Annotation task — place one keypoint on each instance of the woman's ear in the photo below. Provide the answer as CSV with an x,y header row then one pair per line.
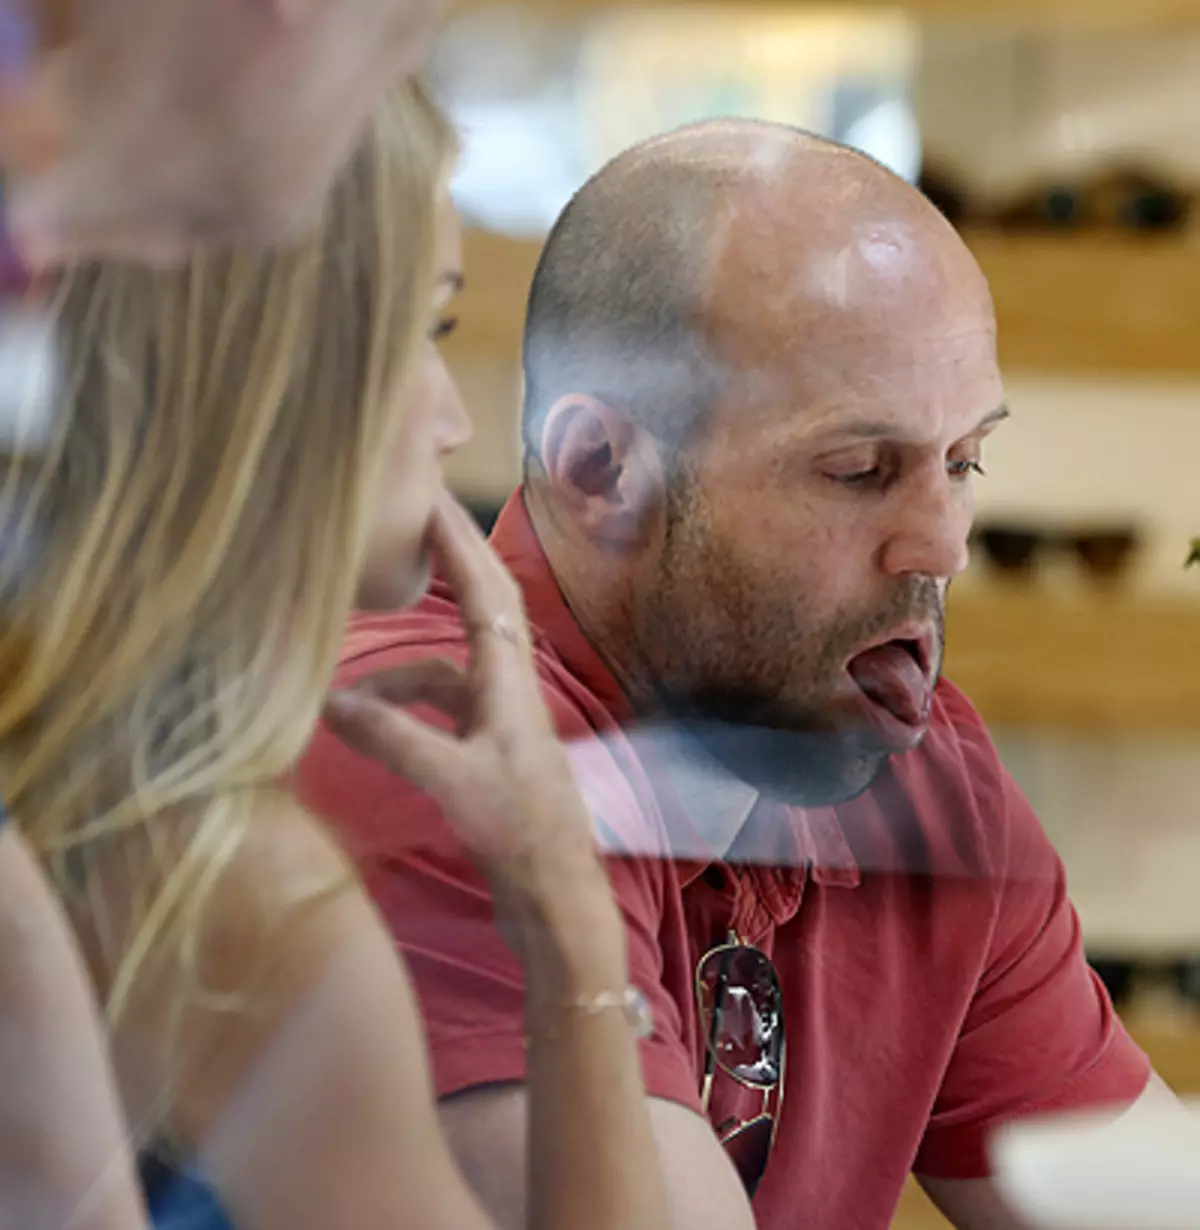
x,y
603,467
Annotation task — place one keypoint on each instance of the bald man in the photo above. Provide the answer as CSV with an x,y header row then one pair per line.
x,y
760,376
153,128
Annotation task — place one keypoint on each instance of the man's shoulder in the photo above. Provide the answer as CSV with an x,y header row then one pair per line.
x,y
958,741
946,802
391,638
434,627
356,793
957,723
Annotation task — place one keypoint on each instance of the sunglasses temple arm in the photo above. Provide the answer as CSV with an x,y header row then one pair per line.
x,y
707,1088
777,1089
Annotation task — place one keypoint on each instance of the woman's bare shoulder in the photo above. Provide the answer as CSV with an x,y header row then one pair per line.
x,y
268,915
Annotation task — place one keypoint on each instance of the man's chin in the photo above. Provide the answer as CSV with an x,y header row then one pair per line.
x,y
798,768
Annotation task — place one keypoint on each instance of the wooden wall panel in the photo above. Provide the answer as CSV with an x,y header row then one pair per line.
x,y
1091,664
1078,306
1010,12
1085,306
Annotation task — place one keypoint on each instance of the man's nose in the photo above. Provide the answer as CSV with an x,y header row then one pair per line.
x,y
929,535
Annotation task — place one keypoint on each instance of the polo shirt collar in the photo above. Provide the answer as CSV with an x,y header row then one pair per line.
x,y
815,838
516,542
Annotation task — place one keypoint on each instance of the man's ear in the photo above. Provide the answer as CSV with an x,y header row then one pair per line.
x,y
603,468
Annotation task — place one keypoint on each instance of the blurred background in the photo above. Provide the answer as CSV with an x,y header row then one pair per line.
x,y
1063,138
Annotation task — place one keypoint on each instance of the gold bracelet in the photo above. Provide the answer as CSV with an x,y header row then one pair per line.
x,y
630,1002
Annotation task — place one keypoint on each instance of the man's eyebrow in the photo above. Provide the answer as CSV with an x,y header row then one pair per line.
x,y
880,430
453,279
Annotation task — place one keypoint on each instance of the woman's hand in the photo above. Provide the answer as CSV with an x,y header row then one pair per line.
x,y
502,779
149,129
504,783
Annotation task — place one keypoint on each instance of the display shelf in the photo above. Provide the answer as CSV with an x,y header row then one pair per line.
x,y
1119,13
1087,662
491,307
1083,305
1075,306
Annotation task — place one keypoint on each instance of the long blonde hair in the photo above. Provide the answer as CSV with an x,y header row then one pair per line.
x,y
181,553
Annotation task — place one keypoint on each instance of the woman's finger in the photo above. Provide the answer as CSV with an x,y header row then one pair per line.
x,y
395,739
488,598
436,682
437,764
481,584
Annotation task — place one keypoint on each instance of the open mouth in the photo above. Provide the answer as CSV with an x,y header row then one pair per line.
x,y
917,650
895,678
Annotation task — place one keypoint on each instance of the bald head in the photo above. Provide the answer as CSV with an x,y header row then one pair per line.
x,y
761,373
671,272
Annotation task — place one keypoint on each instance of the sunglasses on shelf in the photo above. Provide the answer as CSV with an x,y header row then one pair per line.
x,y
1117,201
740,1003
1120,199
1103,554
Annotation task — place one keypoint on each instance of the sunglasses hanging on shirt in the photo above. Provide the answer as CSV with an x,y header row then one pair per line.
x,y
740,1003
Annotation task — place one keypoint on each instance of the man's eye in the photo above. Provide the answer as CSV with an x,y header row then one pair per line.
x,y
444,328
964,469
857,478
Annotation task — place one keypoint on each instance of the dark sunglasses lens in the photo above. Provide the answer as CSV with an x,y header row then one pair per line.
x,y
741,1010
749,1147
1009,550
1106,555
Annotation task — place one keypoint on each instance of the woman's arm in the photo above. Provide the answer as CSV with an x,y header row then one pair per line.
x,y
592,1158
64,1159
506,785
303,1100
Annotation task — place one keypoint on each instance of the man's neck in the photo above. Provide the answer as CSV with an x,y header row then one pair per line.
x,y
580,574
716,803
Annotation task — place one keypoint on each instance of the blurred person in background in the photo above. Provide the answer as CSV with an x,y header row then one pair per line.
x,y
760,374
230,442
152,128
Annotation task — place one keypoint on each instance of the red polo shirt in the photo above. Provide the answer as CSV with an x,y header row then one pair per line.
x,y
933,975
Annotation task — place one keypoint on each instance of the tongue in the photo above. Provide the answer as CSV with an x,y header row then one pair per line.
x,y
890,676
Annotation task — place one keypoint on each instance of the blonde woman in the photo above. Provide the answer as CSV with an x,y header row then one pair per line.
x,y
231,438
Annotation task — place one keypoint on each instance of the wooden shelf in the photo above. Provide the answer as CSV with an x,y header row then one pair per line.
x,y
491,309
1089,664
1084,305
1069,306
1118,13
